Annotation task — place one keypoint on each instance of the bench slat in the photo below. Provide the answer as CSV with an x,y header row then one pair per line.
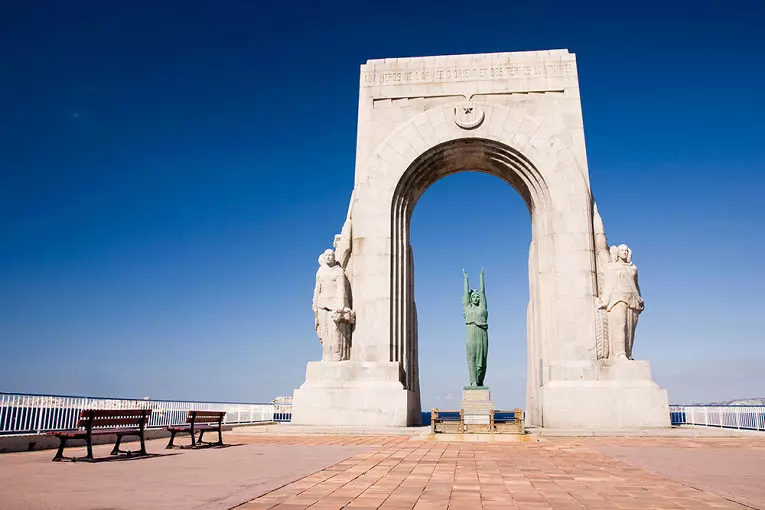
x,y
110,417
121,430
208,414
94,432
113,413
117,422
205,416
187,428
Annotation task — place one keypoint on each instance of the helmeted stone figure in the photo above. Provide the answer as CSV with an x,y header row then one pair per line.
x,y
477,338
333,315
621,299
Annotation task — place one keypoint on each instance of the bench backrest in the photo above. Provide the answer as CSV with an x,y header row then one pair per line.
x,y
514,415
446,415
97,418
205,416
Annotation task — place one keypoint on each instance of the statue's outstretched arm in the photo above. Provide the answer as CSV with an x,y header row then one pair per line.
x,y
466,293
482,290
343,244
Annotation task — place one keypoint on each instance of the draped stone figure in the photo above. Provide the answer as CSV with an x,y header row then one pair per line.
x,y
333,315
621,300
477,338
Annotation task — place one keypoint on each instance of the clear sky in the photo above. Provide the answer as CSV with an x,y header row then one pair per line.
x,y
170,171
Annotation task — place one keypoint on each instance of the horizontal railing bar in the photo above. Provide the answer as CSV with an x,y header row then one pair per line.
x,y
132,398
35,413
722,406
739,417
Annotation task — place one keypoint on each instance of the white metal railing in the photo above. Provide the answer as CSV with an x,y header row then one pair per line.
x,y
22,413
729,417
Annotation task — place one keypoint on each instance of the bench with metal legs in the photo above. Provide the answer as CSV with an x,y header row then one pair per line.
x,y
101,422
198,421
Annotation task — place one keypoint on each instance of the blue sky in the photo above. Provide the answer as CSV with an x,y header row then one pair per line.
x,y
168,176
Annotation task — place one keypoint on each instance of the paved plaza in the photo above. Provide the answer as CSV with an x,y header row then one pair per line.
x,y
366,472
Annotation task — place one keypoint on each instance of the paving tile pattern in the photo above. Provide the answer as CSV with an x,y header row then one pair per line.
x,y
204,479
556,473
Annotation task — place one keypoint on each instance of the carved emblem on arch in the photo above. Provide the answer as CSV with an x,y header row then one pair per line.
x,y
469,115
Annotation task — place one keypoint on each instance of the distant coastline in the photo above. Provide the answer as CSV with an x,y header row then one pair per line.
x,y
737,402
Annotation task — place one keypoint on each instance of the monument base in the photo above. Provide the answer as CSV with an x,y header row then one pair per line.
x,y
354,393
624,397
476,406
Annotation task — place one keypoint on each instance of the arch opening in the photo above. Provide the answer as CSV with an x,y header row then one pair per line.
x,y
470,220
466,154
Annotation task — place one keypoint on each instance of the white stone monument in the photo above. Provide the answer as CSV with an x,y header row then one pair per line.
x,y
516,116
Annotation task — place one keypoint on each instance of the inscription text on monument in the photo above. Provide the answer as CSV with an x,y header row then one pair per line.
x,y
459,73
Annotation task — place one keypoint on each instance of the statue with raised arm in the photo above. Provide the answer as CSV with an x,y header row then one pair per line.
x,y
621,300
477,338
332,311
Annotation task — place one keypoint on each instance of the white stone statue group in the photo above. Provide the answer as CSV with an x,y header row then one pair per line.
x,y
333,316
621,300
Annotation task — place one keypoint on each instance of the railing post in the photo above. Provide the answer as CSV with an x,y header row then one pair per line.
x,y
13,415
38,422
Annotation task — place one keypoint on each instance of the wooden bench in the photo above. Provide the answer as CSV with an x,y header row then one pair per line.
x,y
101,422
508,421
451,422
198,421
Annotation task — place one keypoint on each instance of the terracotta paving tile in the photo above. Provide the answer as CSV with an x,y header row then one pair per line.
x,y
423,505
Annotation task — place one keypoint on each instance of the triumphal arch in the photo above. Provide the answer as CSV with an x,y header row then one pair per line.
x,y
517,116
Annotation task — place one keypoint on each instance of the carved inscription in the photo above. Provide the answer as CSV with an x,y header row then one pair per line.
x,y
460,73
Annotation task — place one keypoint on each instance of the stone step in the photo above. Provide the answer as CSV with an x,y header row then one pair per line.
x,y
682,431
288,429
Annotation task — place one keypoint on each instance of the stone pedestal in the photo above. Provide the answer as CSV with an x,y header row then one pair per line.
x,y
624,397
353,393
476,408
626,371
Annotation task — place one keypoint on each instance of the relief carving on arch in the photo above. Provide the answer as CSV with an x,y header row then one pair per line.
x,y
469,115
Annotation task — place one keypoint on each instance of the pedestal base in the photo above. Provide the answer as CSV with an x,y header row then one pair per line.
x,y
353,393
476,405
625,397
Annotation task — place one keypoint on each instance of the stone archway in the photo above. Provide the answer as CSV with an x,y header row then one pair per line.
x,y
461,154
516,116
